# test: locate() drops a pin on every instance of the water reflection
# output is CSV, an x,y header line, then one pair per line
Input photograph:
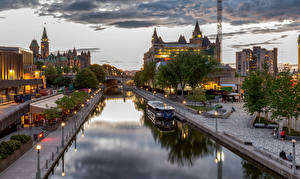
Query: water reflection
x,y
120,142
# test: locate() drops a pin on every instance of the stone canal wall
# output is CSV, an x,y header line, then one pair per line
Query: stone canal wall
x,y
73,126
235,144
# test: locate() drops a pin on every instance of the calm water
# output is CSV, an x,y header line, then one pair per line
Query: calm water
x,y
119,141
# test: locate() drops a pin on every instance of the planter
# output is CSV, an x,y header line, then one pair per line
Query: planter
x,y
15,156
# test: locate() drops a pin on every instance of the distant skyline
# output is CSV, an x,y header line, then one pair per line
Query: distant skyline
x,y
119,32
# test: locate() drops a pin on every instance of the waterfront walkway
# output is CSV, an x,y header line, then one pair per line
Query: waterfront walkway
x,y
26,166
238,129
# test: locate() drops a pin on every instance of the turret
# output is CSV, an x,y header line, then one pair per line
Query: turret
x,y
197,32
44,45
155,38
34,47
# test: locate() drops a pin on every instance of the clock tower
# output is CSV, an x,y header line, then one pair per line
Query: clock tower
x,y
44,45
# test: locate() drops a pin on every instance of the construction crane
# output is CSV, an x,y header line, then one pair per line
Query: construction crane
x,y
219,35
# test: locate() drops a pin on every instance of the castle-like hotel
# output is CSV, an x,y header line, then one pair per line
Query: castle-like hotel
x,y
65,59
161,51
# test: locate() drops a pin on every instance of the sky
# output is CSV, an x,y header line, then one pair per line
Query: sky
x,y
118,32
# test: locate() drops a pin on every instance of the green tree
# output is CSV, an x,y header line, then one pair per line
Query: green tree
x,y
63,81
139,78
255,94
39,65
198,95
79,97
52,113
285,98
149,73
99,72
86,79
199,66
75,69
166,78
66,104
50,74
59,70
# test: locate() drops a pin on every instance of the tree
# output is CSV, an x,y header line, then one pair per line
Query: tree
x,y
75,69
139,78
59,70
198,95
63,81
199,66
79,97
66,104
149,73
285,98
51,75
86,79
99,72
255,94
52,113
39,65
165,77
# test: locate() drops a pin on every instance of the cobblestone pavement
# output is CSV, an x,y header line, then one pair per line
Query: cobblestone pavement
x,y
26,166
237,124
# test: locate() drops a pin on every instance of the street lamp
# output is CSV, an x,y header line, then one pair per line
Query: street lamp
x,y
294,156
38,173
62,134
216,116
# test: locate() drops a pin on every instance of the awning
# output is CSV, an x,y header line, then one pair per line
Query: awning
x,y
40,106
226,85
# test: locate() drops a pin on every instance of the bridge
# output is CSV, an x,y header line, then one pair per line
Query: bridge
x,y
115,82
119,78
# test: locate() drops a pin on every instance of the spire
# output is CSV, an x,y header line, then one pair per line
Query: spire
x,y
197,32
44,34
182,40
74,52
155,38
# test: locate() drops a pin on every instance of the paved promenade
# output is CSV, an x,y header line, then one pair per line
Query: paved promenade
x,y
26,166
237,125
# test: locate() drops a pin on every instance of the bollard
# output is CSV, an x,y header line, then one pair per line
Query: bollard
x,y
46,164
52,157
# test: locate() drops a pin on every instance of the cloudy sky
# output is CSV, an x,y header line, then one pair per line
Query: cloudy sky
x,y
119,31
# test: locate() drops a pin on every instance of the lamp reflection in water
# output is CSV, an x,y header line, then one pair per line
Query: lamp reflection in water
x,y
219,160
82,131
75,146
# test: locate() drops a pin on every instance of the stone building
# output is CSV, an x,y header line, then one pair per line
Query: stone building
x,y
68,58
161,51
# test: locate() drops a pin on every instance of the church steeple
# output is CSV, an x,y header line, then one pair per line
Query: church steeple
x,y
44,34
197,32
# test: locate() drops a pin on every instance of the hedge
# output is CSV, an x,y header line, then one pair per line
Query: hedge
x,y
15,143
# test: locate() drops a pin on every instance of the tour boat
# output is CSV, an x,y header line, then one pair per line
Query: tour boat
x,y
161,114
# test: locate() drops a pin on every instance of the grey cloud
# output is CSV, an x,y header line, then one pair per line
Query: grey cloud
x,y
134,24
17,4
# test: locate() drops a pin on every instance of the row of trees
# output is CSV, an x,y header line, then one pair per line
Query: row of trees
x,y
186,68
66,105
279,95
85,78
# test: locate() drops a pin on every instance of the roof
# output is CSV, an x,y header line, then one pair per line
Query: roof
x,y
160,105
41,106
34,43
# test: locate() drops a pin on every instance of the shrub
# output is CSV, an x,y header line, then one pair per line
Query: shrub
x,y
21,138
14,144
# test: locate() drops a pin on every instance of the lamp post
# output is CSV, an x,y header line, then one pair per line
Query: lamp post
x,y
294,156
62,134
216,116
38,172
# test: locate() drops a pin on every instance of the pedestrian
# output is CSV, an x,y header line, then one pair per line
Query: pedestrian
x,y
282,134
290,157
282,155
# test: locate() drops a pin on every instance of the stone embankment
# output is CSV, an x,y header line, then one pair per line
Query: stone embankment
x,y
256,145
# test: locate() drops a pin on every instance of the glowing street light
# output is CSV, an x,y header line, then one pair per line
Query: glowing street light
x,y
62,134
38,173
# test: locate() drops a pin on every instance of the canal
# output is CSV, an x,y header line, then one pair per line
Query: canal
x,y
118,141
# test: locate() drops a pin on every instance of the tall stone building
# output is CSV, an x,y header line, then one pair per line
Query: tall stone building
x,y
256,60
69,58
162,51
44,45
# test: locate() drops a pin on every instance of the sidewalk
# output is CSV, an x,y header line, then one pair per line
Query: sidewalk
x,y
236,125
26,166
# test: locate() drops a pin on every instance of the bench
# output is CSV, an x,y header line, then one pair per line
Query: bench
x,y
272,126
259,125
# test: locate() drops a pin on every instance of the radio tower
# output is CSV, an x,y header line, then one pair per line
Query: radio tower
x,y
219,35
